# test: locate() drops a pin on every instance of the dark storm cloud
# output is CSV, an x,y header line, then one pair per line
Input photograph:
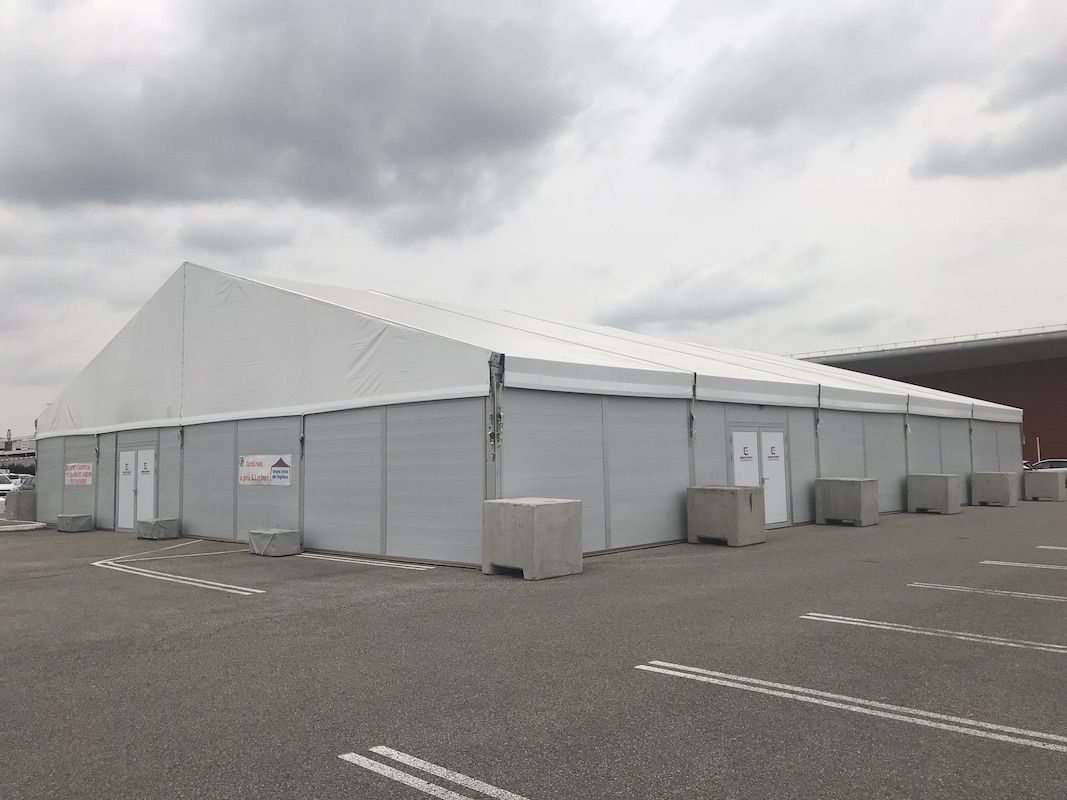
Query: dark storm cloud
x,y
1038,91
434,118
683,298
821,74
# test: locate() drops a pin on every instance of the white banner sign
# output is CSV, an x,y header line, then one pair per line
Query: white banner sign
x,y
265,470
78,475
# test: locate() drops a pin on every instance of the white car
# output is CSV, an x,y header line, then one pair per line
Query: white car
x,y
1052,465
6,484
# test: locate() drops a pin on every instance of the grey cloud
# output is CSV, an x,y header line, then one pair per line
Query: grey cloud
x,y
861,316
434,118
230,235
681,299
1037,141
830,73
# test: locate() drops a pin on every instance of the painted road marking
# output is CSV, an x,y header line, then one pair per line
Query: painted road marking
x,y
425,786
128,559
1050,547
156,550
365,561
928,719
1021,564
961,635
120,566
996,592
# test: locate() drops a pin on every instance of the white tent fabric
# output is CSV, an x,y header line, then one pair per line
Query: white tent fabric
x,y
210,345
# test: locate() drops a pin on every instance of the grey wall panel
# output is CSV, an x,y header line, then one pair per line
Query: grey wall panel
x,y
648,469
264,506
105,482
956,452
985,454
743,414
841,453
80,499
924,445
884,441
1009,447
803,462
49,479
139,439
168,473
343,481
554,447
712,453
435,484
209,477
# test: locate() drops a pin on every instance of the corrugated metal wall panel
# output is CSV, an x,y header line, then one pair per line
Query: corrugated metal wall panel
x,y
263,506
956,452
1009,447
739,414
985,454
554,447
168,473
49,479
841,453
436,480
343,481
884,443
924,445
209,477
712,453
79,499
105,482
648,469
802,462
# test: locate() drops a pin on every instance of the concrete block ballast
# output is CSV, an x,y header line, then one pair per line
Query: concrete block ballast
x,y
540,536
995,489
731,514
1041,485
850,501
936,493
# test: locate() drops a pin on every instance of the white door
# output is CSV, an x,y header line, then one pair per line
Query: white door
x,y
746,458
772,451
127,491
146,484
759,459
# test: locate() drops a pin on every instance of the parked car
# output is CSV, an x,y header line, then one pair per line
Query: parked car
x,y
6,484
29,483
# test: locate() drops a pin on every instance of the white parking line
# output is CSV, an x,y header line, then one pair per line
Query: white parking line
x,y
961,635
122,564
1022,564
425,786
1050,547
915,716
128,559
156,550
365,561
996,592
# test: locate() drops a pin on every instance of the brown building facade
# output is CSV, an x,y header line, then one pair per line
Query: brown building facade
x,y
1027,370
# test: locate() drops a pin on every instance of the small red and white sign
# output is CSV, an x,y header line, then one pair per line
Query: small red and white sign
x,y
78,475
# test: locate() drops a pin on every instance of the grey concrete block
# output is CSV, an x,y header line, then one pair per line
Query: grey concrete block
x,y
1037,485
73,523
846,500
937,493
275,542
21,505
540,536
732,514
158,529
994,489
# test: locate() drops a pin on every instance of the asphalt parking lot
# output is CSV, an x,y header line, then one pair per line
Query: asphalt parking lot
x,y
830,662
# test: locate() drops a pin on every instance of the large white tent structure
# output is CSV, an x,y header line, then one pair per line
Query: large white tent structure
x,y
398,417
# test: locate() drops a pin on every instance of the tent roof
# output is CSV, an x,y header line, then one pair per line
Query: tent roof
x,y
210,345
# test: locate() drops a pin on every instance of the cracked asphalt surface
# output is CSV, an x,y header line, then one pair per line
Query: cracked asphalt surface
x,y
121,686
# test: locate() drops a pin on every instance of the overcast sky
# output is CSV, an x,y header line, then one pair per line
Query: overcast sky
x,y
783,176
